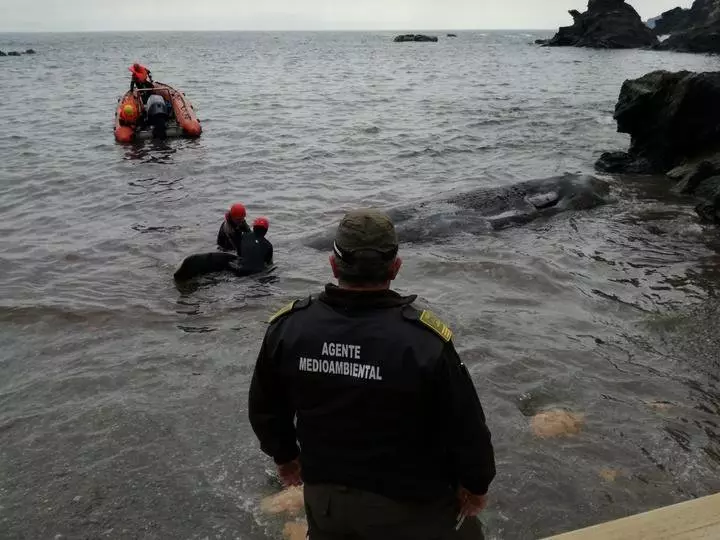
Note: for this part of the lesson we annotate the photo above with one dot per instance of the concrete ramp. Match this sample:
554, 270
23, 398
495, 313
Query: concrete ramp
691, 520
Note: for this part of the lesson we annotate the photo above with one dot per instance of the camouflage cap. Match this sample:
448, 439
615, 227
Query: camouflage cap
368, 233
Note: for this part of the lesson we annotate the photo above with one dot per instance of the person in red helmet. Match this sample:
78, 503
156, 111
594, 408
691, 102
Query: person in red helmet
233, 229
256, 251
141, 77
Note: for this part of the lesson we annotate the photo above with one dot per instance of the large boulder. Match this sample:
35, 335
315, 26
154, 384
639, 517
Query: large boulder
2, 53
673, 120
607, 24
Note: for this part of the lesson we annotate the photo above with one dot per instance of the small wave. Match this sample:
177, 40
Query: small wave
433, 152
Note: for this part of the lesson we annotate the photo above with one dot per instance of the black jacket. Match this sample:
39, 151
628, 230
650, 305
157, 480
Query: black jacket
382, 400
255, 251
230, 236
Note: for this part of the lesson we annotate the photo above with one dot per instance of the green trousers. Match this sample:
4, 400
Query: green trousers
340, 513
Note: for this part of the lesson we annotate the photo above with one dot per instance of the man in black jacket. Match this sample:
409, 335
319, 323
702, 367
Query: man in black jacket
393, 435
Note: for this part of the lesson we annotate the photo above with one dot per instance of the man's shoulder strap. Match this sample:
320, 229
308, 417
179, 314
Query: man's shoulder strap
429, 321
287, 309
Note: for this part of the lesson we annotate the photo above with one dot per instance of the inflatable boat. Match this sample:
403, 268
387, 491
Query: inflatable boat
135, 120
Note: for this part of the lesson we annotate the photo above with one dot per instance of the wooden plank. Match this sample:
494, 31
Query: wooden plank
698, 519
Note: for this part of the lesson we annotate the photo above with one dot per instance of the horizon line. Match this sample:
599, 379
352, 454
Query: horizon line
376, 30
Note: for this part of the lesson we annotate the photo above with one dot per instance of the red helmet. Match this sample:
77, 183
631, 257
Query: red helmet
262, 222
139, 72
237, 212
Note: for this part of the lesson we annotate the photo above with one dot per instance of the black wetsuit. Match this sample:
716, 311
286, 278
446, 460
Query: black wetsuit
256, 252
383, 405
230, 236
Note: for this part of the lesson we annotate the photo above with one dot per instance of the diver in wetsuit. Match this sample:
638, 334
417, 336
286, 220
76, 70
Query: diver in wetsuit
233, 229
256, 252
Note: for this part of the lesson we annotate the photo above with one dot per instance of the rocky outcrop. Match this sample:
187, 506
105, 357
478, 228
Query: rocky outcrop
695, 30
414, 37
674, 20
607, 24
17, 53
699, 39
673, 120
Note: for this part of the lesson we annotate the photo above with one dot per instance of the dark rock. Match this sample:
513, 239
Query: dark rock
13, 53
622, 162
674, 20
674, 123
414, 37
695, 30
671, 117
542, 41
709, 188
2, 54
709, 212
30, 51
700, 39
697, 175
452, 35
607, 24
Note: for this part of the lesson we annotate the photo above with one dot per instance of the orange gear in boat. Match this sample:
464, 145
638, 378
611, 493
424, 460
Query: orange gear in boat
129, 113
140, 73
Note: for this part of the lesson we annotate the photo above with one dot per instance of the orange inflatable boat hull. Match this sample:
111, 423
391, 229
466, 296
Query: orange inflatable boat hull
183, 123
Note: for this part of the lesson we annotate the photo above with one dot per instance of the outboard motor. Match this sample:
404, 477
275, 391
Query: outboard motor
157, 115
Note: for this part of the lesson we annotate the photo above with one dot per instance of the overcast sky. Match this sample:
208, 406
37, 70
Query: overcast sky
95, 15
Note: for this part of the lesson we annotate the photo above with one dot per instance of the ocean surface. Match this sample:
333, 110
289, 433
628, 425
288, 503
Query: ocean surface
123, 398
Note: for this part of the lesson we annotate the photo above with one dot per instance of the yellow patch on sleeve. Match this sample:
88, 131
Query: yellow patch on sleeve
282, 311
436, 325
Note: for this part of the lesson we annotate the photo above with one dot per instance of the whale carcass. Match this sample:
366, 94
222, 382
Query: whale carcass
486, 209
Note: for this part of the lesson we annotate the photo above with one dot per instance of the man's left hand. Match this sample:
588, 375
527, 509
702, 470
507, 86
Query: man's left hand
290, 473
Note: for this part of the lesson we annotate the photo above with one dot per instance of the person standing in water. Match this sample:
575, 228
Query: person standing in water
256, 250
362, 397
233, 228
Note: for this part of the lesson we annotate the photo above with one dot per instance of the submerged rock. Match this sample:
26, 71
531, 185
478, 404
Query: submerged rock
673, 120
414, 37
13, 53
289, 501
2, 53
556, 423
295, 530
30, 51
607, 24
452, 35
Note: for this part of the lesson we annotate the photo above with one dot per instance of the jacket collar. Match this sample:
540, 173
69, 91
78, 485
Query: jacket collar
343, 298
